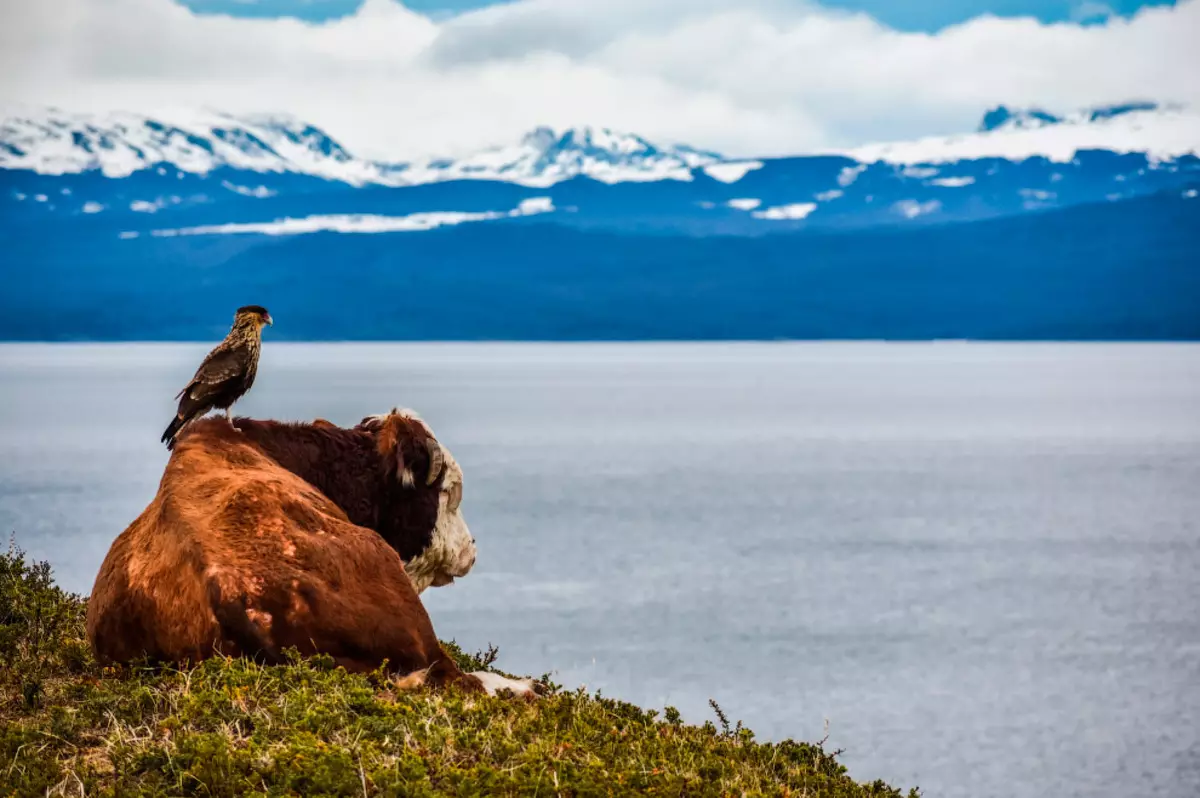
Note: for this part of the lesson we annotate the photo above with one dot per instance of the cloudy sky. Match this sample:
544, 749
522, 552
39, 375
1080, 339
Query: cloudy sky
393, 79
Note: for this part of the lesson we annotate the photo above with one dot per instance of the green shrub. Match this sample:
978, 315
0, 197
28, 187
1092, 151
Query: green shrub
231, 727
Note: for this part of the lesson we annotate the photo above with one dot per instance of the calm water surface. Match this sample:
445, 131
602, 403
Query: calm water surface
978, 564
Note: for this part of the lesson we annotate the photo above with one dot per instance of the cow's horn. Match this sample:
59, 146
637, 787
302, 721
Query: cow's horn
437, 460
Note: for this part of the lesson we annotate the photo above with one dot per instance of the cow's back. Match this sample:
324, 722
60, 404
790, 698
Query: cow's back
236, 555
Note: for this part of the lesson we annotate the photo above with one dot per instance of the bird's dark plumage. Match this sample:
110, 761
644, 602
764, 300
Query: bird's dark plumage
226, 374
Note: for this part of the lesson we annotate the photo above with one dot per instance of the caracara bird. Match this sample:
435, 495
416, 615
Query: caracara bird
225, 375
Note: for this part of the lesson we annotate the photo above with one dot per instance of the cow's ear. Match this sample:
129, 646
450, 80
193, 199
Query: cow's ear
321, 423
390, 437
400, 440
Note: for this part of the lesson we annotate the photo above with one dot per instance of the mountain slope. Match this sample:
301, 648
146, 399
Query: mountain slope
54, 142
1109, 271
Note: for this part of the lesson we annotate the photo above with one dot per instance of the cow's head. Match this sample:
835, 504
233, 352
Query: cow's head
424, 511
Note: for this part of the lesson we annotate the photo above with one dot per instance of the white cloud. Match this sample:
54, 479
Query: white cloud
741, 76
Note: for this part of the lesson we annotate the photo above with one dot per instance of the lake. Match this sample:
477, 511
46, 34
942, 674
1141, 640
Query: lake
977, 566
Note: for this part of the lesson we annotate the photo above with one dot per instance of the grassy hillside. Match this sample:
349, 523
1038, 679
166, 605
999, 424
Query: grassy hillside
231, 727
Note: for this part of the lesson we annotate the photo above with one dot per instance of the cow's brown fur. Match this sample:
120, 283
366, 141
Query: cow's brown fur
272, 536
360, 472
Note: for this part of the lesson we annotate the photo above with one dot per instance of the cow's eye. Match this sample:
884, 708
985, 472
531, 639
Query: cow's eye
455, 497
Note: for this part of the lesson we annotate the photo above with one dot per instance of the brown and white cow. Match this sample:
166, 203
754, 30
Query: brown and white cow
276, 535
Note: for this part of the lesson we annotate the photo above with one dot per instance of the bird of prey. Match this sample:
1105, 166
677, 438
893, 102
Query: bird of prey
225, 375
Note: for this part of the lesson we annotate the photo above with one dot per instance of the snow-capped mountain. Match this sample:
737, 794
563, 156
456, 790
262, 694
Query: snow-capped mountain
118, 144
545, 156
217, 172
1162, 133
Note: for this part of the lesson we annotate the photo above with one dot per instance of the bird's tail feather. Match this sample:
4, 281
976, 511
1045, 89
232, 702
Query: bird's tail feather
168, 436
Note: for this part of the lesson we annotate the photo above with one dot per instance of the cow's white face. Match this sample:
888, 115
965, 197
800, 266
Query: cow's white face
451, 551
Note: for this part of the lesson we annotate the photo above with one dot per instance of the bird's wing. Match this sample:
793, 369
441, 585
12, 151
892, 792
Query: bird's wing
222, 364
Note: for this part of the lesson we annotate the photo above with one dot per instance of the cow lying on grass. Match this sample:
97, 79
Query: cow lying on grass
276, 535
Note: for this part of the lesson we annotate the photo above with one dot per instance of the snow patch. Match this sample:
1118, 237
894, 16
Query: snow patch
919, 171
261, 192
744, 204
731, 171
145, 206
798, 210
911, 209
532, 205
362, 223
849, 174
952, 182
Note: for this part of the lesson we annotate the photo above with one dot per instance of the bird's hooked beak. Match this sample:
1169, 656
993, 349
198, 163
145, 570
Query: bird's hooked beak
267, 318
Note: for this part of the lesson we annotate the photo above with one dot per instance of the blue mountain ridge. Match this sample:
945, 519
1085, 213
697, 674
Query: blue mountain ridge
1100, 246
1103, 271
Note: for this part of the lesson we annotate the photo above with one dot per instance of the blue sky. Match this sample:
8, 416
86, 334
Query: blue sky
907, 15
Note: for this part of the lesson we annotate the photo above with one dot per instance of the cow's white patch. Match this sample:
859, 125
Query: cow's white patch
451, 552
494, 683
